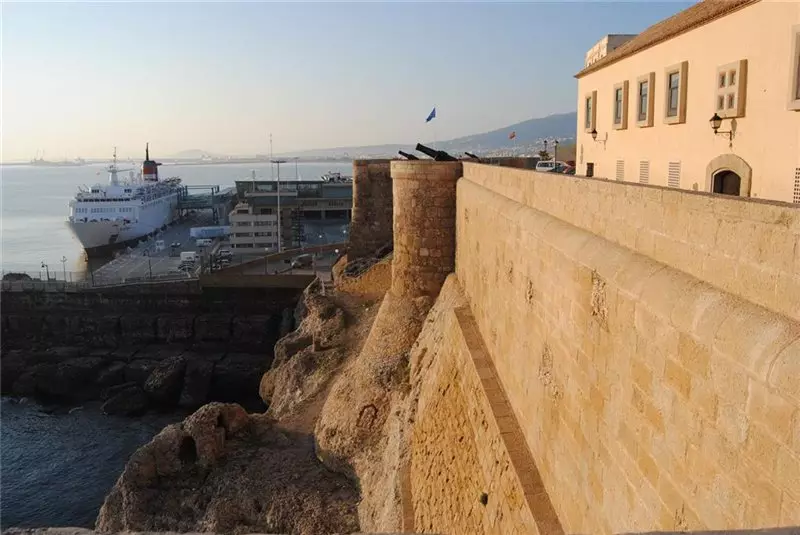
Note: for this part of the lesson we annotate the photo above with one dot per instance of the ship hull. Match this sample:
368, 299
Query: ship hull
104, 237
101, 238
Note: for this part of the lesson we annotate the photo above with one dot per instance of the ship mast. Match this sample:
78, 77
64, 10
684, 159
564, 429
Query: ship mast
112, 170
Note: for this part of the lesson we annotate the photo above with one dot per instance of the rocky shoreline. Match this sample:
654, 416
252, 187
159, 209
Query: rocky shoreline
129, 381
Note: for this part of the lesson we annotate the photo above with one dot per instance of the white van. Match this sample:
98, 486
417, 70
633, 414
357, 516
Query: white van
545, 166
188, 256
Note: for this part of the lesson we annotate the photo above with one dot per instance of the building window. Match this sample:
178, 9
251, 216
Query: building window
730, 96
589, 169
621, 106
590, 111
675, 93
794, 70
644, 100
672, 98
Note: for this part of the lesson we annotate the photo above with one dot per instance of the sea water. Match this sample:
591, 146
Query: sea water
58, 464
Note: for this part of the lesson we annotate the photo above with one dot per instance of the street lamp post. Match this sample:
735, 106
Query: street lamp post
64, 267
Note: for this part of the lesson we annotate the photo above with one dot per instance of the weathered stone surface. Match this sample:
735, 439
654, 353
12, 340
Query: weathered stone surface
251, 329
196, 383
212, 327
290, 345
174, 328
128, 401
138, 328
139, 370
71, 380
237, 375
163, 385
114, 374
269, 482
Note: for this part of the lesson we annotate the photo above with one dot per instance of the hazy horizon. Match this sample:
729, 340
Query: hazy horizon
78, 79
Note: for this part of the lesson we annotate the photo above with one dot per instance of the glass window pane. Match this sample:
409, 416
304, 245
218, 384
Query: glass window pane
721, 79
732, 78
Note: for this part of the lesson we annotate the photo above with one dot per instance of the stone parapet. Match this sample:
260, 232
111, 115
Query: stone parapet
371, 225
424, 225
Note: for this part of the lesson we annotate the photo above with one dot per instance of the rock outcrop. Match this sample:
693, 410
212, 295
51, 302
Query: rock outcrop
225, 471
164, 376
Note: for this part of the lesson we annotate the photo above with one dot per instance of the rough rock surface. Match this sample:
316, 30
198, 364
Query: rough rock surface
164, 384
360, 431
168, 373
225, 471
128, 401
307, 359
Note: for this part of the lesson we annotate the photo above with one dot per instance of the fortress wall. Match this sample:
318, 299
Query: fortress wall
371, 224
648, 398
424, 225
749, 248
469, 469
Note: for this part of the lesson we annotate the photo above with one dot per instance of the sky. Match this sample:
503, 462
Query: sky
80, 78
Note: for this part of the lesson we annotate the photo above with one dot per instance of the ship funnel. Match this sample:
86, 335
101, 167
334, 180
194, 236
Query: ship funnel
149, 167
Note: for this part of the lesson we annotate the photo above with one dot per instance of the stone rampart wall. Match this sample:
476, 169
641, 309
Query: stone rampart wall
649, 399
749, 248
470, 471
371, 224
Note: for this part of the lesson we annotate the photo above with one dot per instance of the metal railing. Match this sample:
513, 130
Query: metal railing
78, 280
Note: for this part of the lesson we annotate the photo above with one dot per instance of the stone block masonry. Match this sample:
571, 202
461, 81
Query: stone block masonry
371, 224
424, 225
651, 397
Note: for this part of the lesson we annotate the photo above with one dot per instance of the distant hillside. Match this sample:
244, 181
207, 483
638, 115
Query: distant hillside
530, 135
529, 132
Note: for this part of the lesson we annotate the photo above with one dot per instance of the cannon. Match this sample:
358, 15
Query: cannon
438, 155
407, 156
472, 156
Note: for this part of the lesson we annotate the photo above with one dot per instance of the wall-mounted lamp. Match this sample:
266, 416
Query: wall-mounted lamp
716, 122
594, 137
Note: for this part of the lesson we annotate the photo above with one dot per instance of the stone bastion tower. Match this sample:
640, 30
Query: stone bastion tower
424, 221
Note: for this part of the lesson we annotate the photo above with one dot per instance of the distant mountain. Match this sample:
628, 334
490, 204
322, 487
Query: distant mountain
561, 126
528, 133
529, 138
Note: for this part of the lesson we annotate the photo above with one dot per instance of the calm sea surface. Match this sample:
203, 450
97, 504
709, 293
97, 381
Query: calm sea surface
35, 204
56, 468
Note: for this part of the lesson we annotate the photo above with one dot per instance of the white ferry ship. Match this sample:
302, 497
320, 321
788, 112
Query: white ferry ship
104, 218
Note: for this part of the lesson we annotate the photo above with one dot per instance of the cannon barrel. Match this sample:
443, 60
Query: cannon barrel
407, 156
472, 156
438, 155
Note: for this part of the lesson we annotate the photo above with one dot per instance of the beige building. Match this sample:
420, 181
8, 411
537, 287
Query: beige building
647, 109
311, 212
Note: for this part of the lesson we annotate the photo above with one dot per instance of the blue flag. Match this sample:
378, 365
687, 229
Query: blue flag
431, 115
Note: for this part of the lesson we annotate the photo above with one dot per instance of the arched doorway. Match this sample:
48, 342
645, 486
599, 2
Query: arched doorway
727, 182
729, 174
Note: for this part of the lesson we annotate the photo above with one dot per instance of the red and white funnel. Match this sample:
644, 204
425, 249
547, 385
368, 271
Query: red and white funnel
149, 167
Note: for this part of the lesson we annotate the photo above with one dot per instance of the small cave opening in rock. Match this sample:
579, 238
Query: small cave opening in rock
188, 451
